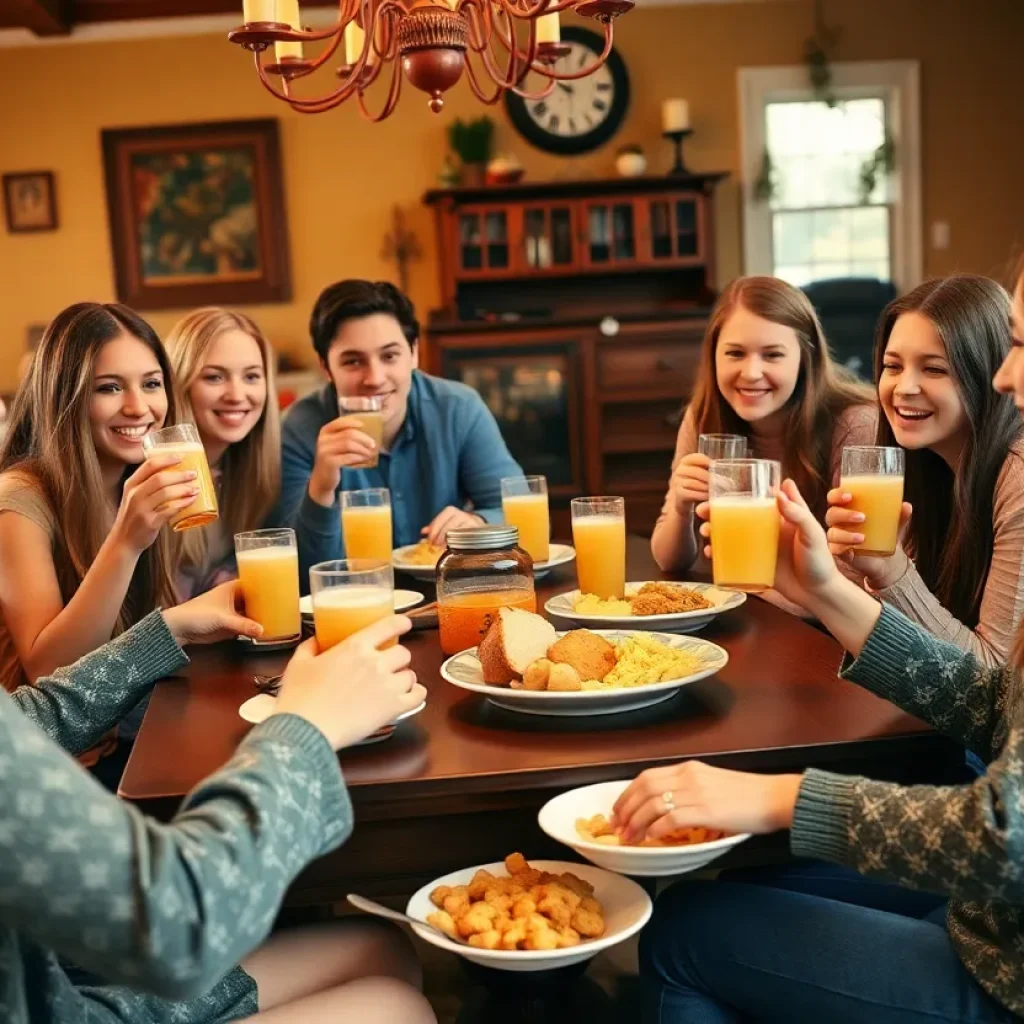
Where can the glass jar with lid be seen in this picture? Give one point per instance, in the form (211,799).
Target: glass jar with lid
(482,570)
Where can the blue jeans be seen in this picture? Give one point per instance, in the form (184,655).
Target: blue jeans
(782,950)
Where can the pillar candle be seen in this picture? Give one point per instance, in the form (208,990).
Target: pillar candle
(355,38)
(548,29)
(257,10)
(675,116)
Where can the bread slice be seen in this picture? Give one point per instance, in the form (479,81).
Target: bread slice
(515,640)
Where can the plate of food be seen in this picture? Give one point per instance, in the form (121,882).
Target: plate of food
(420,560)
(404,600)
(259,708)
(530,916)
(523,665)
(581,819)
(669,607)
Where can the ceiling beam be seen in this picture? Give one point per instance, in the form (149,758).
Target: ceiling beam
(43,17)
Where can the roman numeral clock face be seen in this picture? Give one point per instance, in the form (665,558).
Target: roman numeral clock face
(579,115)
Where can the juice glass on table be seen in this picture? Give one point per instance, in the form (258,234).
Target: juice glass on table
(874,476)
(599,534)
(366,409)
(722,446)
(744,523)
(268,571)
(183,441)
(366,524)
(348,595)
(524,500)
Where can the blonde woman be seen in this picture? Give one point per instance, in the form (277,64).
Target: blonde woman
(83,555)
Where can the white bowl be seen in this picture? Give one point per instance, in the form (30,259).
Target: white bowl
(558,819)
(464,670)
(561,607)
(626,910)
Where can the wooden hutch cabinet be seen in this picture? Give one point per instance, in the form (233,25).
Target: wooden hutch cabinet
(577,309)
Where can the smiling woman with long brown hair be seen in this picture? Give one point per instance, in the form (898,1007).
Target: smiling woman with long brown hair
(82,551)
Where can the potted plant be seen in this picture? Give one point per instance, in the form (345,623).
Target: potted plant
(472,141)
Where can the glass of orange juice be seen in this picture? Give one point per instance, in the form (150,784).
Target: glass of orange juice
(722,446)
(599,534)
(348,595)
(268,571)
(524,500)
(366,409)
(183,441)
(874,476)
(366,524)
(744,523)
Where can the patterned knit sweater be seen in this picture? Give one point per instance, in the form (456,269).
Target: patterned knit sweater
(165,909)
(964,841)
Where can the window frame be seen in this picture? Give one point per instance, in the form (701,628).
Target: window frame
(898,82)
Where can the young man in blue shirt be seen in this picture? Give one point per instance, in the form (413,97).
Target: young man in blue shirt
(442,456)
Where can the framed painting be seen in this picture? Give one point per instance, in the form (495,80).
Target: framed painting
(30,201)
(197,214)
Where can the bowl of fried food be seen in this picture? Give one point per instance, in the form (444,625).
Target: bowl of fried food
(524,665)
(417,560)
(522,916)
(668,607)
(582,820)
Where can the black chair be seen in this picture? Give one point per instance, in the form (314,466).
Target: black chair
(849,308)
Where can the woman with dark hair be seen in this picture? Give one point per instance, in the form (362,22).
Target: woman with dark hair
(442,455)
(959,571)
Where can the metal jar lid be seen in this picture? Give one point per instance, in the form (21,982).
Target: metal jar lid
(483,538)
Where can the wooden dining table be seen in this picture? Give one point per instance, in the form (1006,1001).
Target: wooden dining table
(461,783)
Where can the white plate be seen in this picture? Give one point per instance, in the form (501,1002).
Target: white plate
(558,819)
(463,670)
(259,708)
(560,607)
(404,599)
(627,909)
(269,646)
(559,554)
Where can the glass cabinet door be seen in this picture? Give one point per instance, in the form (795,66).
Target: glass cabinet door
(610,233)
(674,229)
(483,240)
(547,237)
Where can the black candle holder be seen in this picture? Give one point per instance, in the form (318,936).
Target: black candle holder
(678,168)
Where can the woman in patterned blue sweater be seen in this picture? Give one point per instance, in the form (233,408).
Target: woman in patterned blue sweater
(944,941)
(157,917)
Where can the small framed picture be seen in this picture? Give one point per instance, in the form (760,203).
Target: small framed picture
(30,201)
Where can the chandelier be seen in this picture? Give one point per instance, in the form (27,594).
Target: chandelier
(497,43)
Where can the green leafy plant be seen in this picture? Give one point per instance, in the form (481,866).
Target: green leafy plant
(766,187)
(817,56)
(881,162)
(472,140)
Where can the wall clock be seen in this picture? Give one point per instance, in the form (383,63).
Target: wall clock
(578,116)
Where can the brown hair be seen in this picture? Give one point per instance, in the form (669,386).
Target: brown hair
(49,440)
(823,392)
(950,534)
(251,481)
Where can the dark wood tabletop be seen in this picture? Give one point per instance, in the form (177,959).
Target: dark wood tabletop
(464,778)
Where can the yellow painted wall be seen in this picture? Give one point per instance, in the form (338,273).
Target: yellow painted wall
(342,175)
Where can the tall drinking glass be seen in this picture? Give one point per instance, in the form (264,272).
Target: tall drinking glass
(874,476)
(599,533)
(183,441)
(722,446)
(268,571)
(349,595)
(524,500)
(744,523)
(366,409)
(366,524)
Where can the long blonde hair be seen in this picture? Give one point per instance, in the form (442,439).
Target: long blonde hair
(823,392)
(251,480)
(49,442)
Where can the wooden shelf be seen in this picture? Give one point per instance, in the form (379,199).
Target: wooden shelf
(641,395)
(637,443)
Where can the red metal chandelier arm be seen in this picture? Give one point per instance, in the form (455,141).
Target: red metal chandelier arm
(394,91)
(477,89)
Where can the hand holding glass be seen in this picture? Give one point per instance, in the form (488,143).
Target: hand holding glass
(874,476)
(268,571)
(367,410)
(183,441)
(349,595)
(722,446)
(744,523)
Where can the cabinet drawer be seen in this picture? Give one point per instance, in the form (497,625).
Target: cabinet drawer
(656,367)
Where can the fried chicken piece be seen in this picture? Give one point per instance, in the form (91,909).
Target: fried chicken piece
(577,885)
(564,679)
(486,940)
(457,901)
(553,907)
(479,918)
(568,937)
(514,935)
(479,884)
(540,934)
(537,675)
(440,894)
(590,655)
(667,599)
(515,864)
(589,924)
(443,920)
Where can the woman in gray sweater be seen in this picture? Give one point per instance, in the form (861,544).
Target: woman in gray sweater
(724,951)
(156,918)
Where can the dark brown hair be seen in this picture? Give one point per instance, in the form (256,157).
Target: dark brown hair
(950,534)
(353,299)
(823,392)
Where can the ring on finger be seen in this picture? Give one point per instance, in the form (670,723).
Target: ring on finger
(669,800)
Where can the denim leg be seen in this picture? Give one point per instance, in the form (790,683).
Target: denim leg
(721,953)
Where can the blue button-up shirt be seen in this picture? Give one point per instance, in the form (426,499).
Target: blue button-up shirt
(448,451)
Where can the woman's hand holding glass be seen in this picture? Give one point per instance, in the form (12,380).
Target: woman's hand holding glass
(212,617)
(843,537)
(151,497)
(690,480)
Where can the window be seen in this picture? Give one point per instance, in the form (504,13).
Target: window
(815,222)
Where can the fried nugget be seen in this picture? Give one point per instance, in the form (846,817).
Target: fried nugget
(486,940)
(568,937)
(479,918)
(515,863)
(564,679)
(576,884)
(667,599)
(524,908)
(514,935)
(479,884)
(590,655)
(555,909)
(440,894)
(457,901)
(589,924)
(443,920)
(536,675)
